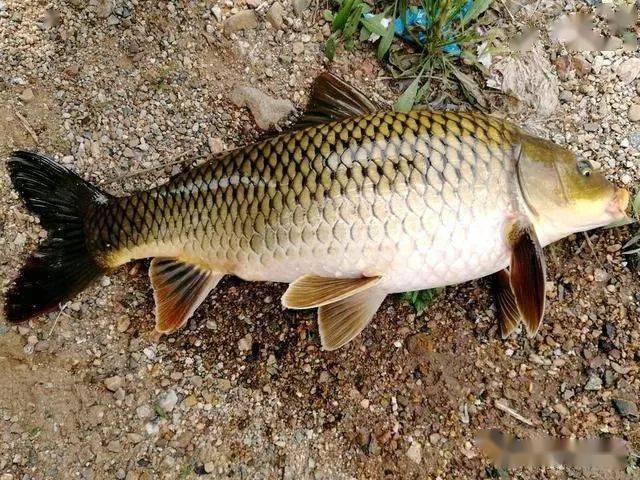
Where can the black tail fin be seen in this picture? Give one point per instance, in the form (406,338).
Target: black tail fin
(62,266)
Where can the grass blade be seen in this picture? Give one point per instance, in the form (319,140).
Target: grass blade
(387,38)
(408,98)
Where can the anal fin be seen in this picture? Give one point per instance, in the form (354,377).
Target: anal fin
(178,289)
(341,321)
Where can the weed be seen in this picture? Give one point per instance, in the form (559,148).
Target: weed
(420,300)
(440,35)
(160,411)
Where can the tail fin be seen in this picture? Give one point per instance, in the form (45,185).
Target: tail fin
(62,266)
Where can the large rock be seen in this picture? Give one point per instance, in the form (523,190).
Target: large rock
(244,20)
(267,111)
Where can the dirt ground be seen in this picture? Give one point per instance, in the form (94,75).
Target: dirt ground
(114,90)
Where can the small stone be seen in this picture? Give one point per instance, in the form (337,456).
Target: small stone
(591,127)
(297,48)
(566,96)
(114,446)
(275,15)
(415,452)
(27,96)
(601,275)
(629,70)
(216,11)
(105,281)
(104,8)
(594,383)
(245,343)
(267,111)
(169,401)
(113,383)
(581,66)
(215,145)
(299,6)
(244,20)
(122,325)
(634,140)
(626,408)
(561,409)
(144,412)
(152,428)
(634,112)
(209,467)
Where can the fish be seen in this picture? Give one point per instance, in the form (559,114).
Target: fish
(352,203)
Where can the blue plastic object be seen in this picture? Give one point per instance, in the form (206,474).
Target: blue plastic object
(417,16)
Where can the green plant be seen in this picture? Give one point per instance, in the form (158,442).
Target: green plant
(436,51)
(420,300)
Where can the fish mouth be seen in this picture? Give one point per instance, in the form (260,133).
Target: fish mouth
(618,204)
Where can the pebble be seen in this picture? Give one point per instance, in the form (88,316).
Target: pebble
(267,111)
(123,323)
(244,344)
(634,112)
(275,15)
(415,452)
(113,383)
(169,401)
(566,96)
(299,6)
(144,412)
(244,20)
(626,408)
(209,467)
(27,95)
(297,48)
(634,140)
(594,383)
(629,70)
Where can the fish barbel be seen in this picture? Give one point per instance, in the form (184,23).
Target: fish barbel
(352,204)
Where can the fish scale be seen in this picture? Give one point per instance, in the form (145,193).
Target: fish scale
(387,192)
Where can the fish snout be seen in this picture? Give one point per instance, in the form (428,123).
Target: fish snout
(618,204)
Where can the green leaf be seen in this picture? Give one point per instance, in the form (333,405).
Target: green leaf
(351,26)
(160,411)
(477,9)
(421,299)
(328,15)
(385,41)
(408,98)
(374,24)
(330,47)
(340,19)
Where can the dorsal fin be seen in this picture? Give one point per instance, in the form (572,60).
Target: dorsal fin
(333,99)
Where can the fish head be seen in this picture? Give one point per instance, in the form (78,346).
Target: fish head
(566,194)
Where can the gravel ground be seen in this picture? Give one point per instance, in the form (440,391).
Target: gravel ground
(116,89)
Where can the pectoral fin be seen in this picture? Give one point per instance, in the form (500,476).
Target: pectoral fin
(178,289)
(527,274)
(342,321)
(508,314)
(310,291)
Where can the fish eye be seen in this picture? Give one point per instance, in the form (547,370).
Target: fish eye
(585,168)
